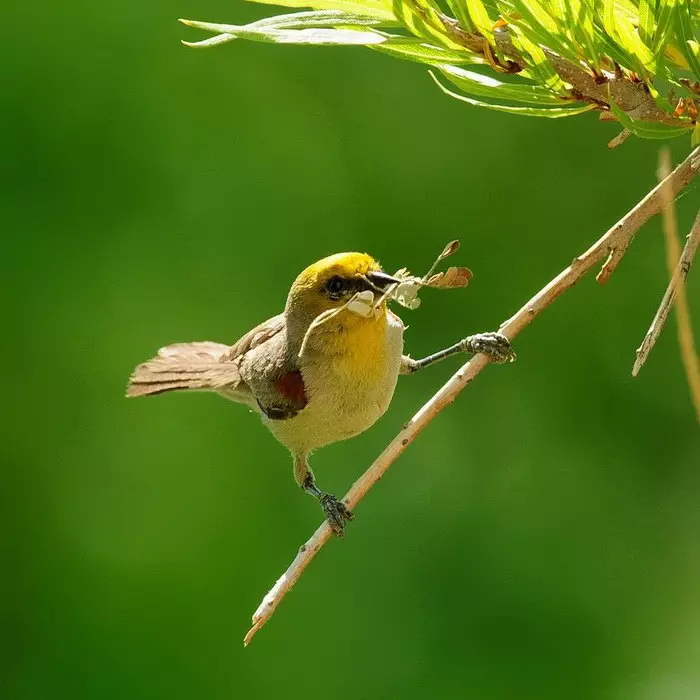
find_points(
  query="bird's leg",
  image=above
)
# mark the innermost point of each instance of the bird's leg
(336, 512)
(495, 345)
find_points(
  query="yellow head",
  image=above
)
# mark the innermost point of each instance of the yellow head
(332, 281)
(329, 284)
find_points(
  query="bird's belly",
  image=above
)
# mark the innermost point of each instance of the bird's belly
(347, 394)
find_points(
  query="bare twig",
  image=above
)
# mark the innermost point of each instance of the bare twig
(620, 138)
(616, 238)
(678, 266)
(689, 355)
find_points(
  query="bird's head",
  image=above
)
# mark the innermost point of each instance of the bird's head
(331, 282)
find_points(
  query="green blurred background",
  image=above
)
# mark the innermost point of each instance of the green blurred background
(539, 540)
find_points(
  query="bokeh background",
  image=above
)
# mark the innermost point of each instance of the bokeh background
(540, 539)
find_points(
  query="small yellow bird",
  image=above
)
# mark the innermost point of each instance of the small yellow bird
(312, 385)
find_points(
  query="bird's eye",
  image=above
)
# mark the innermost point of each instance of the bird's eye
(335, 287)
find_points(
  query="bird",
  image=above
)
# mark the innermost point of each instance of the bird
(312, 383)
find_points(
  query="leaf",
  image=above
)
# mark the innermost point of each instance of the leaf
(459, 10)
(627, 9)
(628, 37)
(371, 8)
(610, 47)
(647, 8)
(621, 30)
(540, 27)
(537, 16)
(647, 130)
(406, 293)
(664, 24)
(295, 20)
(327, 37)
(694, 47)
(269, 34)
(215, 40)
(557, 9)
(423, 18)
(580, 15)
(322, 18)
(686, 37)
(672, 52)
(485, 86)
(412, 49)
(540, 68)
(551, 112)
(480, 18)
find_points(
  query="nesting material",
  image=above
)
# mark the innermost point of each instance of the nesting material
(368, 303)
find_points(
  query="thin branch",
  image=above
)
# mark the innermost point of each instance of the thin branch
(678, 266)
(689, 355)
(616, 238)
(620, 138)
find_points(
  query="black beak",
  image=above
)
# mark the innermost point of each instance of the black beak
(381, 279)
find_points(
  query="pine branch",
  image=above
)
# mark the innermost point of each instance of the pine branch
(636, 62)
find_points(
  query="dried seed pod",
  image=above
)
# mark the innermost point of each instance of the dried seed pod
(452, 278)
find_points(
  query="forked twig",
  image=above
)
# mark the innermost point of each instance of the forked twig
(617, 238)
(678, 267)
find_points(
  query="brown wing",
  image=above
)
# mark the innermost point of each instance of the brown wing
(274, 379)
(253, 338)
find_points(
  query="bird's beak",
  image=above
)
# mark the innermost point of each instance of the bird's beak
(381, 279)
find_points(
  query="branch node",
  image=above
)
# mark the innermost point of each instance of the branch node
(613, 260)
(620, 138)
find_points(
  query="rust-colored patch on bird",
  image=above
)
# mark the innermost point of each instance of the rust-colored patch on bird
(291, 386)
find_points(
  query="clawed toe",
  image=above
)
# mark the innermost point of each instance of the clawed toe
(495, 345)
(336, 512)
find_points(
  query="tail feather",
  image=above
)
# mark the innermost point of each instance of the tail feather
(184, 366)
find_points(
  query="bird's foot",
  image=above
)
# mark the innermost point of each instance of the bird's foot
(337, 513)
(495, 345)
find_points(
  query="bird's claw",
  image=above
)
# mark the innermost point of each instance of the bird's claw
(495, 345)
(337, 513)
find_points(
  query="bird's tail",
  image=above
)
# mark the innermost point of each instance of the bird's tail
(182, 366)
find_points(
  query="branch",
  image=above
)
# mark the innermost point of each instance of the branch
(665, 189)
(689, 355)
(630, 94)
(617, 238)
(678, 266)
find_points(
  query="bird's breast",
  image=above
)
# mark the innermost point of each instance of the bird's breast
(349, 389)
